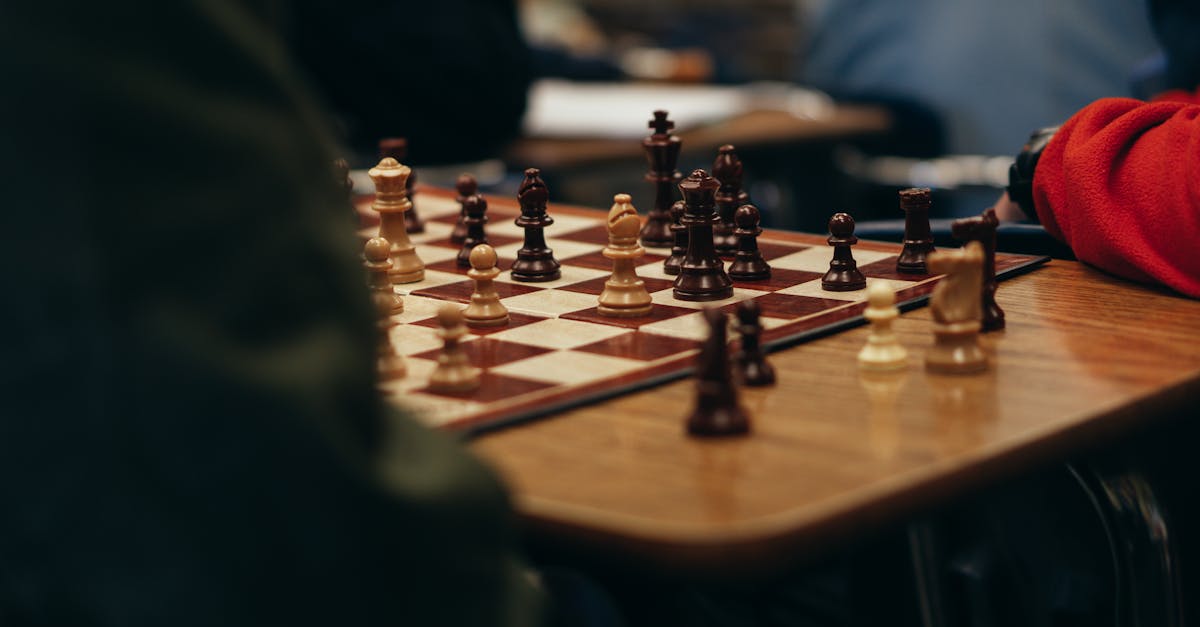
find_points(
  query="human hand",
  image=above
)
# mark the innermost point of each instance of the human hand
(1007, 210)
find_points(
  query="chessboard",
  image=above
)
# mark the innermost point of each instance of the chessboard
(557, 352)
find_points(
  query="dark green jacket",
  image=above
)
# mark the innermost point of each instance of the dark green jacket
(189, 432)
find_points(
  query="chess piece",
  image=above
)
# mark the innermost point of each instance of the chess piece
(388, 362)
(727, 169)
(748, 264)
(957, 310)
(475, 207)
(662, 153)
(341, 176)
(753, 368)
(982, 229)
(843, 274)
(918, 239)
(377, 264)
(882, 351)
(397, 148)
(535, 261)
(680, 234)
(467, 187)
(454, 372)
(485, 309)
(717, 409)
(702, 274)
(624, 294)
(391, 201)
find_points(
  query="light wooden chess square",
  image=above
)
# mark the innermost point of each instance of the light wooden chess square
(817, 259)
(431, 254)
(667, 297)
(418, 308)
(562, 248)
(434, 232)
(433, 278)
(549, 302)
(569, 367)
(654, 271)
(411, 339)
(564, 224)
(556, 333)
(429, 206)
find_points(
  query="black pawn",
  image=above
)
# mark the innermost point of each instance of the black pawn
(475, 207)
(702, 274)
(397, 148)
(843, 274)
(751, 362)
(748, 264)
(535, 261)
(918, 238)
(679, 231)
(466, 187)
(717, 410)
(728, 170)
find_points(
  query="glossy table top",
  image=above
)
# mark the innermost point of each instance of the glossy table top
(1084, 357)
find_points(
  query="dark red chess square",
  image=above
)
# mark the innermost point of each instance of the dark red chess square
(848, 311)
(495, 241)
(494, 387)
(592, 235)
(780, 278)
(451, 265)
(777, 305)
(461, 292)
(514, 320)
(596, 285)
(450, 218)
(597, 260)
(658, 313)
(640, 346)
(488, 352)
(886, 269)
(773, 250)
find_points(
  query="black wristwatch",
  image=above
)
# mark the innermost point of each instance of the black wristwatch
(1020, 174)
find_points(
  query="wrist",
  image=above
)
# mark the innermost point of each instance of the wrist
(1020, 174)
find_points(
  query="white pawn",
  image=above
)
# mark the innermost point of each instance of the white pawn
(883, 351)
(624, 294)
(389, 363)
(454, 372)
(377, 263)
(485, 309)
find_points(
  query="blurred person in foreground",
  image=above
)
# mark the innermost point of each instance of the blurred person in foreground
(190, 432)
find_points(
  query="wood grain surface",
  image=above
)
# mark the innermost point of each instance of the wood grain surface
(1085, 357)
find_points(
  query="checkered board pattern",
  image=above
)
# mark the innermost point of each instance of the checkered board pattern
(558, 352)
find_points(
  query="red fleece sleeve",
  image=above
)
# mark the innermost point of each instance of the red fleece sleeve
(1120, 184)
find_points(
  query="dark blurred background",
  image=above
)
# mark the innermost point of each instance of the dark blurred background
(963, 83)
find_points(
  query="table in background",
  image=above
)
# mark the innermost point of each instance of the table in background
(787, 157)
